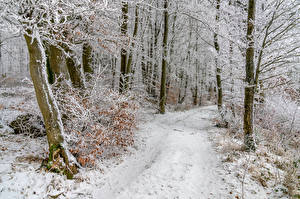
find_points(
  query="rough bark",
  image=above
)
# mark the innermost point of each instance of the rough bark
(47, 105)
(250, 85)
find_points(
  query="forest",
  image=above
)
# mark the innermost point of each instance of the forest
(150, 99)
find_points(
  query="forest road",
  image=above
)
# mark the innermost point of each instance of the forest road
(177, 161)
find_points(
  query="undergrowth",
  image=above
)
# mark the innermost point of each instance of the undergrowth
(276, 162)
(98, 122)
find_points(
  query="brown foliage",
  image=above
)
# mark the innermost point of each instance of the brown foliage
(97, 125)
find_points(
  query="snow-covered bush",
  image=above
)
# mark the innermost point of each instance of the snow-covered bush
(279, 122)
(99, 122)
(280, 114)
(277, 135)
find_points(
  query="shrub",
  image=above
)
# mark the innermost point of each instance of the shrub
(277, 131)
(98, 123)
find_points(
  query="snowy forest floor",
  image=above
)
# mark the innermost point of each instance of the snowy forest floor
(174, 156)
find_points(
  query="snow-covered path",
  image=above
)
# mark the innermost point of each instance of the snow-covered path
(177, 161)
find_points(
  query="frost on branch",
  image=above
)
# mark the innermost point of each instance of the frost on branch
(98, 123)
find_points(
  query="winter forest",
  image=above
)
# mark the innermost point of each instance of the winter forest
(157, 99)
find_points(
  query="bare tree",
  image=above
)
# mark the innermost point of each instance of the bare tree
(124, 27)
(250, 86)
(162, 99)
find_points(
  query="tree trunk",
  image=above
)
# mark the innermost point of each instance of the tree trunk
(87, 60)
(150, 58)
(232, 104)
(143, 64)
(184, 81)
(113, 71)
(155, 67)
(48, 106)
(162, 99)
(57, 62)
(172, 43)
(218, 67)
(250, 87)
(73, 67)
(196, 88)
(1, 53)
(129, 63)
(124, 27)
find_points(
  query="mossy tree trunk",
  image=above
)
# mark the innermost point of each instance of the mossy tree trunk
(162, 99)
(61, 65)
(250, 84)
(57, 62)
(48, 105)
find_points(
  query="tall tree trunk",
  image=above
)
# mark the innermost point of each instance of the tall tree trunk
(143, 65)
(218, 67)
(129, 63)
(124, 27)
(1, 53)
(232, 104)
(60, 65)
(150, 58)
(73, 67)
(231, 66)
(57, 62)
(172, 43)
(87, 60)
(155, 67)
(48, 106)
(183, 81)
(250, 87)
(196, 88)
(50, 73)
(162, 99)
(113, 71)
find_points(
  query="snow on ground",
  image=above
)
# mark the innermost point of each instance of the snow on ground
(178, 163)
(172, 158)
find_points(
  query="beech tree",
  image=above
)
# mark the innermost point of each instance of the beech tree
(177, 53)
(124, 27)
(48, 105)
(49, 28)
(249, 87)
(162, 99)
(218, 67)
